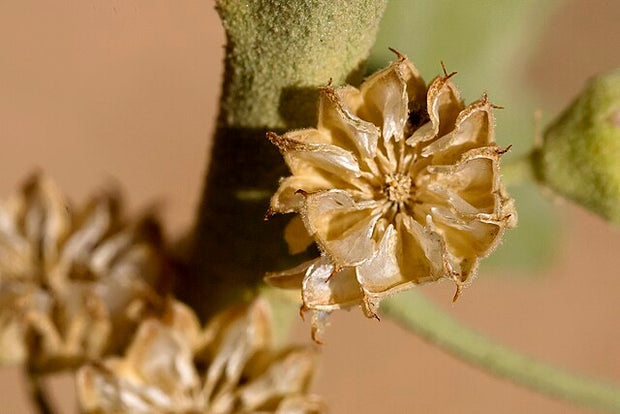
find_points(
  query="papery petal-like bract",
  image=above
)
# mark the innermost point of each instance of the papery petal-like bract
(398, 185)
(175, 366)
(68, 277)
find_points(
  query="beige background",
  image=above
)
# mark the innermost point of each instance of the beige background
(94, 92)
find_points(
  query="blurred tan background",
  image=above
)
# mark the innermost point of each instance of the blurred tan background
(95, 91)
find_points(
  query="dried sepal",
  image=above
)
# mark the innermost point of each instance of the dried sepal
(68, 275)
(398, 185)
(175, 366)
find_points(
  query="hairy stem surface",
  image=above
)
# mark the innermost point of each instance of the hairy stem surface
(415, 313)
(278, 54)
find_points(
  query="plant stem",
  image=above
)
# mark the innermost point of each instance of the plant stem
(278, 54)
(518, 170)
(38, 396)
(416, 313)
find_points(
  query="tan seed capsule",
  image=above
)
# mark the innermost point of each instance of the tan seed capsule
(67, 276)
(174, 365)
(398, 185)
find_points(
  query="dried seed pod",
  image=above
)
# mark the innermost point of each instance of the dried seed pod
(175, 366)
(68, 277)
(398, 185)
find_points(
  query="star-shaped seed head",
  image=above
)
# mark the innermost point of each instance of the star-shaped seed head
(397, 185)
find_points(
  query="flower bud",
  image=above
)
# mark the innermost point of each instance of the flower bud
(580, 154)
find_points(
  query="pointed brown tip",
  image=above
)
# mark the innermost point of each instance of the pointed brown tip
(399, 55)
(273, 137)
(328, 92)
(336, 270)
(269, 213)
(457, 294)
(316, 338)
(505, 150)
(446, 75)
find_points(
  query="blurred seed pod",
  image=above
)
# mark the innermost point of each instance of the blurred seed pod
(69, 276)
(174, 365)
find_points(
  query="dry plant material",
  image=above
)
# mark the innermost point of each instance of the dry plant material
(68, 277)
(175, 366)
(398, 185)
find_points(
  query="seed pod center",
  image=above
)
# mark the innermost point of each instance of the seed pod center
(397, 187)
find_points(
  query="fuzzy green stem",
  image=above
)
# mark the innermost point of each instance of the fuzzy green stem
(419, 315)
(518, 170)
(278, 54)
